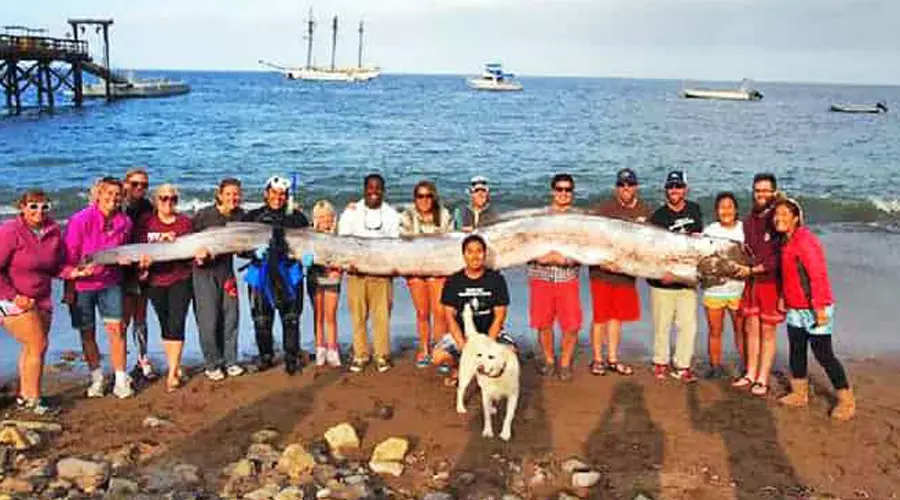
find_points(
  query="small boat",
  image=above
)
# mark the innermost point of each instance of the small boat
(494, 78)
(878, 107)
(745, 92)
(134, 88)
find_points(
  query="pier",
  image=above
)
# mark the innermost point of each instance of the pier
(48, 64)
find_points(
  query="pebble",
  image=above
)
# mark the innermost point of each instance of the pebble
(393, 468)
(12, 436)
(152, 422)
(88, 476)
(585, 479)
(265, 436)
(35, 425)
(392, 449)
(295, 461)
(265, 493)
(289, 493)
(342, 437)
(16, 485)
(574, 465)
(241, 468)
(438, 495)
(119, 487)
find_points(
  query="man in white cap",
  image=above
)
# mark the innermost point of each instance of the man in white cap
(479, 212)
(275, 213)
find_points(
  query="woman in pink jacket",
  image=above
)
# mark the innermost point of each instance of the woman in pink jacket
(100, 226)
(31, 254)
(807, 300)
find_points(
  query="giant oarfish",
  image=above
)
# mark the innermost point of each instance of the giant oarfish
(631, 248)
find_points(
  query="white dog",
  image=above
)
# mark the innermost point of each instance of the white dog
(496, 366)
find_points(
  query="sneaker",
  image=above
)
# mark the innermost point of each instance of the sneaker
(235, 370)
(685, 375)
(333, 358)
(123, 389)
(423, 360)
(36, 406)
(358, 365)
(147, 369)
(383, 364)
(95, 390)
(660, 371)
(321, 356)
(215, 375)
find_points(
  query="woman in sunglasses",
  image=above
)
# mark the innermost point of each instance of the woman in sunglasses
(426, 216)
(170, 287)
(31, 254)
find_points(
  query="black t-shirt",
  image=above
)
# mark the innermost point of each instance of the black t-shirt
(210, 217)
(687, 221)
(482, 294)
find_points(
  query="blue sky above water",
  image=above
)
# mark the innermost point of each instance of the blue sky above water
(795, 40)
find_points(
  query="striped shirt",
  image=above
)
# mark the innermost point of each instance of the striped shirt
(553, 274)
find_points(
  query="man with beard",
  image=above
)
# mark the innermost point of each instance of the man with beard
(138, 208)
(670, 300)
(759, 304)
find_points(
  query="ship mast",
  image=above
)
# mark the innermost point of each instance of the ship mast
(334, 28)
(309, 39)
(359, 55)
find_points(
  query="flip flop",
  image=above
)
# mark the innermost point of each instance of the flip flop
(620, 368)
(759, 389)
(742, 381)
(598, 368)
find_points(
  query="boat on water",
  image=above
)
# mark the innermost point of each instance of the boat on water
(494, 78)
(333, 73)
(878, 107)
(746, 92)
(130, 87)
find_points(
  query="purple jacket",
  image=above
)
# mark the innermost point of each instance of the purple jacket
(29, 261)
(86, 234)
(760, 236)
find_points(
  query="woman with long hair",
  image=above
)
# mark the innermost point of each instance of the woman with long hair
(215, 287)
(170, 287)
(809, 304)
(426, 216)
(324, 287)
(725, 298)
(31, 255)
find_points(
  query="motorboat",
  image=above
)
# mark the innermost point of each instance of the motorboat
(494, 78)
(746, 92)
(135, 88)
(878, 107)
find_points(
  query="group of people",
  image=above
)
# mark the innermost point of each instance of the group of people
(787, 281)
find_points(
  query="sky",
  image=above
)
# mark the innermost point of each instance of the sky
(852, 41)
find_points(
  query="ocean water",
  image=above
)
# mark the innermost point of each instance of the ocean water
(253, 125)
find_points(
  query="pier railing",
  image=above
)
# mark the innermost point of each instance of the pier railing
(42, 48)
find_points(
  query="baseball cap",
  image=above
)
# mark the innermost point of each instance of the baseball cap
(479, 181)
(279, 183)
(626, 176)
(676, 178)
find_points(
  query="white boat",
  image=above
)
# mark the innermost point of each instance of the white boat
(149, 87)
(878, 107)
(745, 92)
(494, 78)
(331, 74)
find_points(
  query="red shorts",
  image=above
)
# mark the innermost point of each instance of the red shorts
(618, 301)
(548, 302)
(761, 300)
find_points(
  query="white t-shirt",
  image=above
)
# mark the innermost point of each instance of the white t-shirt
(732, 288)
(363, 221)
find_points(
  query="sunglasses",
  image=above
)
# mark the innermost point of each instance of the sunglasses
(675, 186)
(422, 196)
(43, 207)
(166, 199)
(138, 184)
(479, 190)
(626, 184)
(564, 189)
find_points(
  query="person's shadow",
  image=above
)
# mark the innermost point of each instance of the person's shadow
(756, 459)
(628, 444)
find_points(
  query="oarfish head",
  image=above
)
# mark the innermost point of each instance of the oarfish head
(723, 264)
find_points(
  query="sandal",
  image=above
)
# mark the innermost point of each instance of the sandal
(598, 368)
(742, 381)
(620, 368)
(423, 360)
(545, 369)
(759, 389)
(173, 385)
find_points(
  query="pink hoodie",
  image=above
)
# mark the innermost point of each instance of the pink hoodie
(87, 233)
(29, 261)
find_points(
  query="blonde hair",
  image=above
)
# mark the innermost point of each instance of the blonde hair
(323, 207)
(162, 188)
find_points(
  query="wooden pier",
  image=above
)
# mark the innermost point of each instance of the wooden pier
(49, 64)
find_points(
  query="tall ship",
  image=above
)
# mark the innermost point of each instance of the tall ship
(333, 73)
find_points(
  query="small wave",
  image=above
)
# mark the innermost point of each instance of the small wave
(887, 206)
(43, 161)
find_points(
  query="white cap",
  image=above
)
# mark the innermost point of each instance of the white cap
(279, 183)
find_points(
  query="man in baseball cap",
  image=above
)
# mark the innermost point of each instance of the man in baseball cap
(478, 212)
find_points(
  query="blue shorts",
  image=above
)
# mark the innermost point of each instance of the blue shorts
(108, 301)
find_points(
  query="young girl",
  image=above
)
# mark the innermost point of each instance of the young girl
(324, 287)
(726, 297)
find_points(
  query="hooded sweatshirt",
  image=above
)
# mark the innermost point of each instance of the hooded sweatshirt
(29, 260)
(760, 236)
(89, 231)
(815, 293)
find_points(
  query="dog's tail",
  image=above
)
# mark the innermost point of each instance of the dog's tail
(468, 316)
